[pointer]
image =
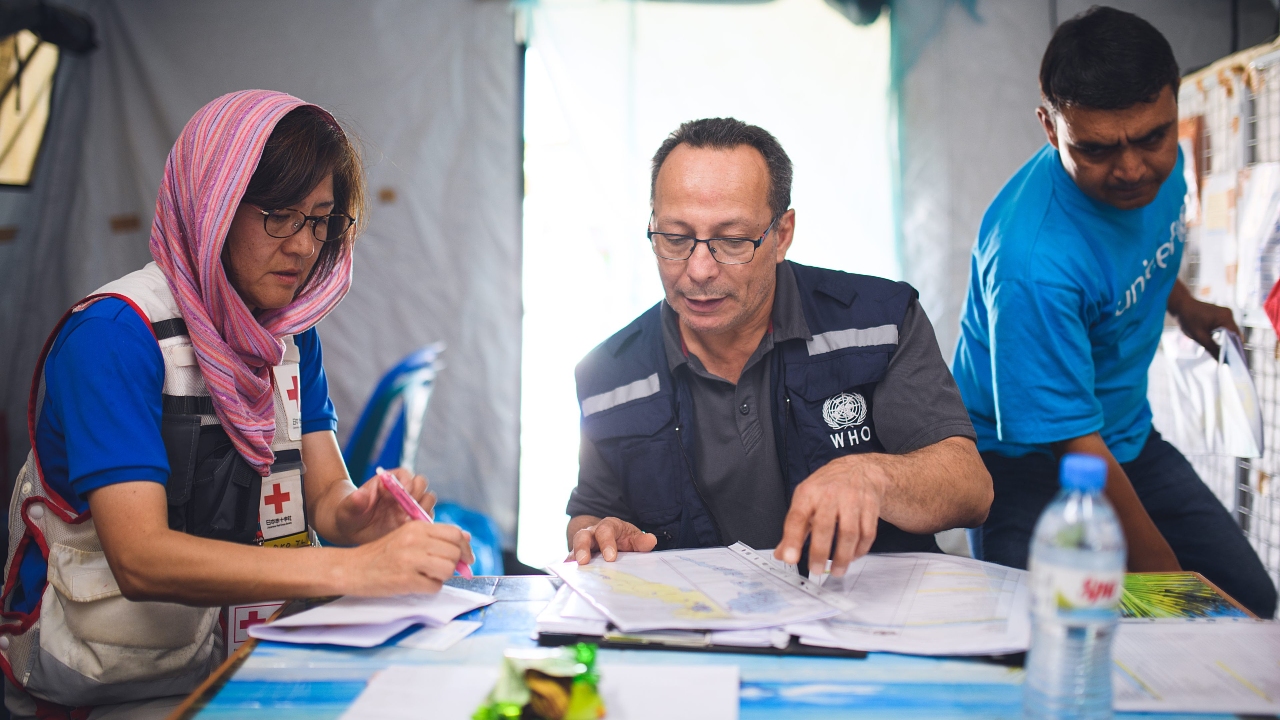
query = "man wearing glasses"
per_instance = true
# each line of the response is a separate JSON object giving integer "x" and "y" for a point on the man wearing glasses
{"x": 764, "y": 401}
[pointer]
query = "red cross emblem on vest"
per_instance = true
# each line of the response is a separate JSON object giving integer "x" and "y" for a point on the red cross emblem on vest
{"x": 292, "y": 392}
{"x": 252, "y": 619}
{"x": 276, "y": 498}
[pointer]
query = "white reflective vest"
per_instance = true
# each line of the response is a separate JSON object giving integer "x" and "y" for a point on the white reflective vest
{"x": 85, "y": 644}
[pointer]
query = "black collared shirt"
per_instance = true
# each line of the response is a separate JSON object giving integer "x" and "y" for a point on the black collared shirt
{"x": 739, "y": 472}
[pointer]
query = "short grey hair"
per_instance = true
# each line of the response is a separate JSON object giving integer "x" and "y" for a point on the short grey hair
{"x": 726, "y": 134}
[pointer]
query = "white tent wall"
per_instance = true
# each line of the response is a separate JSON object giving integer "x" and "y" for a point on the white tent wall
{"x": 968, "y": 89}
{"x": 430, "y": 88}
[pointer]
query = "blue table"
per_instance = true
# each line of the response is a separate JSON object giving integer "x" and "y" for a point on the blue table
{"x": 293, "y": 682}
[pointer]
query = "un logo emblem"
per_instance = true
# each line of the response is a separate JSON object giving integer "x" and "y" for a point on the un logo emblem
{"x": 844, "y": 410}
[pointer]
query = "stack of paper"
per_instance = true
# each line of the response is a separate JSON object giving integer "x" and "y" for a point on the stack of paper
{"x": 915, "y": 603}
{"x": 366, "y": 622}
{"x": 926, "y": 604}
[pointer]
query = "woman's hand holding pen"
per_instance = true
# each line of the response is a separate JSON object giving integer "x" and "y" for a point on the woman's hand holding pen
{"x": 416, "y": 557}
{"x": 372, "y": 512}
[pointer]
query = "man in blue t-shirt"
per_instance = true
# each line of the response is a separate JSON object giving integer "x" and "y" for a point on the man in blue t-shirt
{"x": 1075, "y": 266}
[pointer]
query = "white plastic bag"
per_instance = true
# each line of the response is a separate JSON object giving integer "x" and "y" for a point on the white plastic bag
{"x": 1239, "y": 411}
{"x": 1191, "y": 395}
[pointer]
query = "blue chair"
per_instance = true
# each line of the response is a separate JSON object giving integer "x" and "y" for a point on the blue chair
{"x": 387, "y": 435}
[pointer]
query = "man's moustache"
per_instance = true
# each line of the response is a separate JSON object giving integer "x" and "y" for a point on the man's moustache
{"x": 708, "y": 293}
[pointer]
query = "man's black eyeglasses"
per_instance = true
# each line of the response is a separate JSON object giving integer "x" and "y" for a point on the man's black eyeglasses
{"x": 725, "y": 250}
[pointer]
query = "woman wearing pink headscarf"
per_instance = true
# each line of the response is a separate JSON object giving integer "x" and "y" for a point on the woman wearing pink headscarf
{"x": 183, "y": 443}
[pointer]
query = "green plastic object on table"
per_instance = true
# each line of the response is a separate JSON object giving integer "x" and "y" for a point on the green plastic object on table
{"x": 550, "y": 684}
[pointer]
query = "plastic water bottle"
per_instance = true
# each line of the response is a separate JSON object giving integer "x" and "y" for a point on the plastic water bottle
{"x": 1077, "y": 573}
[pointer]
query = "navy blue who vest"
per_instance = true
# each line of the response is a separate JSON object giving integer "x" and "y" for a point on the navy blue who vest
{"x": 639, "y": 415}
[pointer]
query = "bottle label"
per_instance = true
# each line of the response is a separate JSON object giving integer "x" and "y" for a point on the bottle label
{"x": 1056, "y": 589}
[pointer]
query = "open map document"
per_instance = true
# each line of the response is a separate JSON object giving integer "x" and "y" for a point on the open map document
{"x": 926, "y": 604}
{"x": 731, "y": 588}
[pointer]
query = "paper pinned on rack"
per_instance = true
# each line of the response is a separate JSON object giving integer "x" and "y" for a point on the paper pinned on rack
{"x": 1258, "y": 235}
{"x": 731, "y": 588}
{"x": 926, "y": 604}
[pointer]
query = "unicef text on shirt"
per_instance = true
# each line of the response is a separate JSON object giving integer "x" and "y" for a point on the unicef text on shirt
{"x": 1177, "y": 233}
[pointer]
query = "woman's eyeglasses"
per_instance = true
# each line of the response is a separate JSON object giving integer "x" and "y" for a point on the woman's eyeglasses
{"x": 286, "y": 222}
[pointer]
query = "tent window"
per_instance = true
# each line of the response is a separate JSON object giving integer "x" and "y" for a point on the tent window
{"x": 27, "y": 66}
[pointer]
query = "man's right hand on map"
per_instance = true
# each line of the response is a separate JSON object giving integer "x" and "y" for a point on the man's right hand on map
{"x": 841, "y": 502}
{"x": 610, "y": 536}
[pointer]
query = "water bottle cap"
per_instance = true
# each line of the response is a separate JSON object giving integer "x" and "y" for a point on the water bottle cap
{"x": 1087, "y": 473}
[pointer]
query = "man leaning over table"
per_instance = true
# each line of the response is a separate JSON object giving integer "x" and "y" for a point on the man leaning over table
{"x": 765, "y": 401}
{"x": 1075, "y": 265}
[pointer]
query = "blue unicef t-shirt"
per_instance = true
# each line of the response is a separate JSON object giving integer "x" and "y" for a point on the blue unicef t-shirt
{"x": 1065, "y": 308}
{"x": 100, "y": 421}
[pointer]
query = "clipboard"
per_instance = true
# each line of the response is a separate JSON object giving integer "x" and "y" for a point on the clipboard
{"x": 620, "y": 641}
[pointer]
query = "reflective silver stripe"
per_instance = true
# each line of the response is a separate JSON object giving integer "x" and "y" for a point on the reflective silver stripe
{"x": 853, "y": 337}
{"x": 631, "y": 391}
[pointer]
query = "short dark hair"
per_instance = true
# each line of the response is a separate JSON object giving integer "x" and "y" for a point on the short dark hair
{"x": 307, "y": 145}
{"x": 726, "y": 134}
{"x": 1106, "y": 59}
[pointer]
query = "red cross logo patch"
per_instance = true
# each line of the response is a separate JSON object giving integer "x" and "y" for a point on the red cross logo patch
{"x": 281, "y": 512}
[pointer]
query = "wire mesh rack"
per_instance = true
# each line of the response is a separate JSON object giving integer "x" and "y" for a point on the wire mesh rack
{"x": 1238, "y": 101}
{"x": 1257, "y": 499}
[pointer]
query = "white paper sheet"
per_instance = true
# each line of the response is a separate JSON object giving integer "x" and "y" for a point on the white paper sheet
{"x": 705, "y": 589}
{"x": 440, "y": 638}
{"x": 435, "y": 610}
{"x": 577, "y": 606}
{"x": 552, "y": 619}
{"x": 361, "y": 636}
{"x": 413, "y": 692}
{"x": 367, "y": 622}
{"x": 926, "y": 604}
{"x": 689, "y": 692}
{"x": 775, "y": 637}
{"x": 1210, "y": 666}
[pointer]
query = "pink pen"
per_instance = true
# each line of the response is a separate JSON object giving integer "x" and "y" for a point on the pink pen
{"x": 411, "y": 506}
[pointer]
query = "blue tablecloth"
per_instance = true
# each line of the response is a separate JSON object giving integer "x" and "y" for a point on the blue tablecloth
{"x": 292, "y": 682}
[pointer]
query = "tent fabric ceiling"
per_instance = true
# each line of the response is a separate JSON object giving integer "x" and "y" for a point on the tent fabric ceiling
{"x": 430, "y": 89}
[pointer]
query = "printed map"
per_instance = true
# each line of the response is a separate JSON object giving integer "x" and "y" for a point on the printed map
{"x": 705, "y": 589}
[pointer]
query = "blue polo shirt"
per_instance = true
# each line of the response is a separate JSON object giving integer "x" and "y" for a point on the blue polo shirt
{"x": 1064, "y": 312}
{"x": 100, "y": 420}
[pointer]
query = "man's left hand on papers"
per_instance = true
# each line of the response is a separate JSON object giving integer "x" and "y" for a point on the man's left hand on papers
{"x": 610, "y": 536}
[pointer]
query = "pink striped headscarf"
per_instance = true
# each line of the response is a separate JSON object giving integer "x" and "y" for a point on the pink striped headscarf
{"x": 206, "y": 176}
